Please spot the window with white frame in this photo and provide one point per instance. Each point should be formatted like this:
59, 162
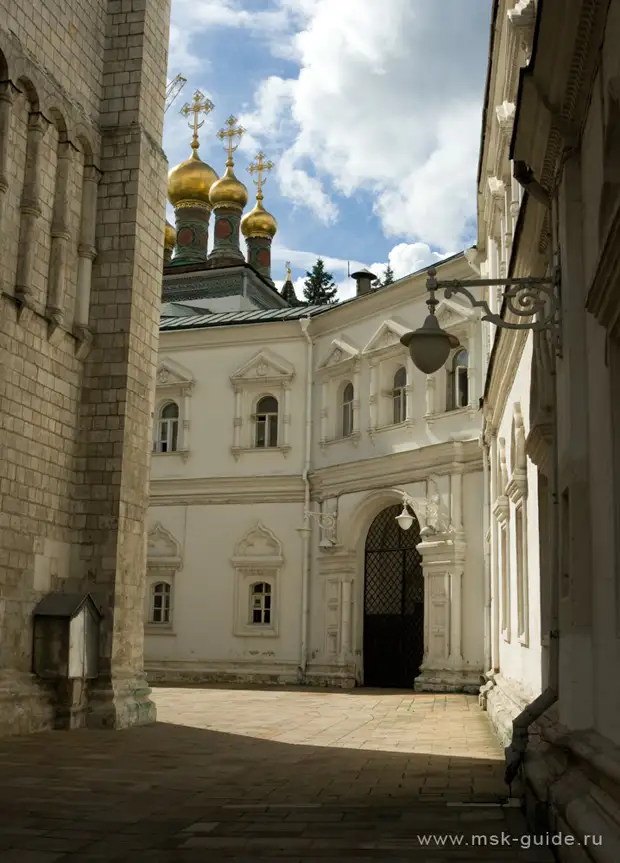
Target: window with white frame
161, 603
260, 603
167, 428
266, 423
346, 410
458, 381
399, 396
522, 590
505, 580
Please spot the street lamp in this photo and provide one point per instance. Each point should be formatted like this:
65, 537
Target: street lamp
405, 519
429, 346
326, 522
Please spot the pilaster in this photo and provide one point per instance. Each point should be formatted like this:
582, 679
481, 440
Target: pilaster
30, 208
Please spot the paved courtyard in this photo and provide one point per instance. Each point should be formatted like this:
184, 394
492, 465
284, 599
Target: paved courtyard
238, 774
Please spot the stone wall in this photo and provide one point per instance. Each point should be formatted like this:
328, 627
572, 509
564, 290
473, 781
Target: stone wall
82, 203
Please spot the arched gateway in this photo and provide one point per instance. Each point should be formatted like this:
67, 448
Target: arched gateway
393, 603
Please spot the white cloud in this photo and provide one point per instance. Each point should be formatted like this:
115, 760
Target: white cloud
388, 99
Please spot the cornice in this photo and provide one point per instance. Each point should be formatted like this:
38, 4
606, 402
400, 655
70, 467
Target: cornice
227, 490
396, 468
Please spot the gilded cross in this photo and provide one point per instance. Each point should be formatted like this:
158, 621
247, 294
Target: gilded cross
259, 167
199, 106
288, 271
230, 133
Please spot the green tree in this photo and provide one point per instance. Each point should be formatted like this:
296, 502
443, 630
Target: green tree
319, 286
388, 276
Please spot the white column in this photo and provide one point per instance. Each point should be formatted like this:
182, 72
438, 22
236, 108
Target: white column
456, 501
456, 654
237, 421
345, 625
472, 359
324, 410
431, 383
186, 417
356, 400
372, 398
410, 394
286, 411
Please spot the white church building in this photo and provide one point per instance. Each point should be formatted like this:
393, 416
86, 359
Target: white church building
286, 441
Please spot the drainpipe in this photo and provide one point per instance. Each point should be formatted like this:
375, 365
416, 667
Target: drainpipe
305, 531
486, 527
515, 752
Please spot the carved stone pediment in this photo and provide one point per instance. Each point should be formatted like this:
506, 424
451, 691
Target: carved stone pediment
452, 314
339, 353
265, 366
259, 546
386, 337
171, 374
162, 549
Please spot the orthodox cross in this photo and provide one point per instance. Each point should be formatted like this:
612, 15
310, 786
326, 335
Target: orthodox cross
200, 105
260, 167
230, 133
288, 271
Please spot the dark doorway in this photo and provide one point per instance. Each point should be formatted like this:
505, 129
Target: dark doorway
393, 603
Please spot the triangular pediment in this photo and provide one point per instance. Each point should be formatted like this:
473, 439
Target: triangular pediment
264, 365
162, 547
339, 352
388, 335
171, 373
451, 313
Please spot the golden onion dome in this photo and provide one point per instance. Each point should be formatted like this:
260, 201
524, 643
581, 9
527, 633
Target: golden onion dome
228, 190
170, 236
191, 181
258, 222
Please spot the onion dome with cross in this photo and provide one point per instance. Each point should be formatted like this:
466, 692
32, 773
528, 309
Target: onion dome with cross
258, 222
228, 191
190, 182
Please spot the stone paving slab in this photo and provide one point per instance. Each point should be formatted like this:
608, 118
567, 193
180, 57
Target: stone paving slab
233, 774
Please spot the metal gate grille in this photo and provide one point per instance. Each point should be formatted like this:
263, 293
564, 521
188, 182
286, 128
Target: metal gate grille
393, 603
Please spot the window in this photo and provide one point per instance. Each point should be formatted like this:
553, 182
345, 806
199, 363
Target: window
505, 581
160, 603
458, 383
260, 609
522, 591
167, 439
347, 410
399, 397
267, 422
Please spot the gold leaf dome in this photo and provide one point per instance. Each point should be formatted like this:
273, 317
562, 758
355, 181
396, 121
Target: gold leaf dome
228, 190
170, 236
191, 181
259, 223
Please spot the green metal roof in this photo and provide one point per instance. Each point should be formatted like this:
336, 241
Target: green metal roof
220, 319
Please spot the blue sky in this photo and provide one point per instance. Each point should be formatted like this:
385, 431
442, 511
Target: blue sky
370, 111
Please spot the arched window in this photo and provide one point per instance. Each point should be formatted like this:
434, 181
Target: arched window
167, 439
260, 603
348, 395
160, 603
458, 383
266, 422
399, 396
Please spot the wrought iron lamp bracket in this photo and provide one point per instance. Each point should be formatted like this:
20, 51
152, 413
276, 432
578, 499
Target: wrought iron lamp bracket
527, 297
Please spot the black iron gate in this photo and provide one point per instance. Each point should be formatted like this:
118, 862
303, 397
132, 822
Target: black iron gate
393, 603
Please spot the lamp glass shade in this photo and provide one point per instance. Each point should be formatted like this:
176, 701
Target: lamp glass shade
405, 519
429, 346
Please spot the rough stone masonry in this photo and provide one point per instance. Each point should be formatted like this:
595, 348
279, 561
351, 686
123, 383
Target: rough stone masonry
82, 208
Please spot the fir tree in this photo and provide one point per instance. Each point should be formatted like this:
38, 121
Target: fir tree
388, 276
320, 288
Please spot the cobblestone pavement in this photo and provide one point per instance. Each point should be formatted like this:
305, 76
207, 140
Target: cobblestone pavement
250, 774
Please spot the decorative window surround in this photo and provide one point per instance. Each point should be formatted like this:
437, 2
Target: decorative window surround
174, 383
342, 363
385, 354
462, 322
258, 558
164, 560
265, 374
471, 411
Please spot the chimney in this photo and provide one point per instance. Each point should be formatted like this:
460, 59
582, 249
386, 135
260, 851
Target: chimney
364, 279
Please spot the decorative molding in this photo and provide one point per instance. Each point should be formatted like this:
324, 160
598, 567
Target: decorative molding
258, 557
213, 491
340, 359
386, 340
173, 376
163, 550
264, 368
393, 470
